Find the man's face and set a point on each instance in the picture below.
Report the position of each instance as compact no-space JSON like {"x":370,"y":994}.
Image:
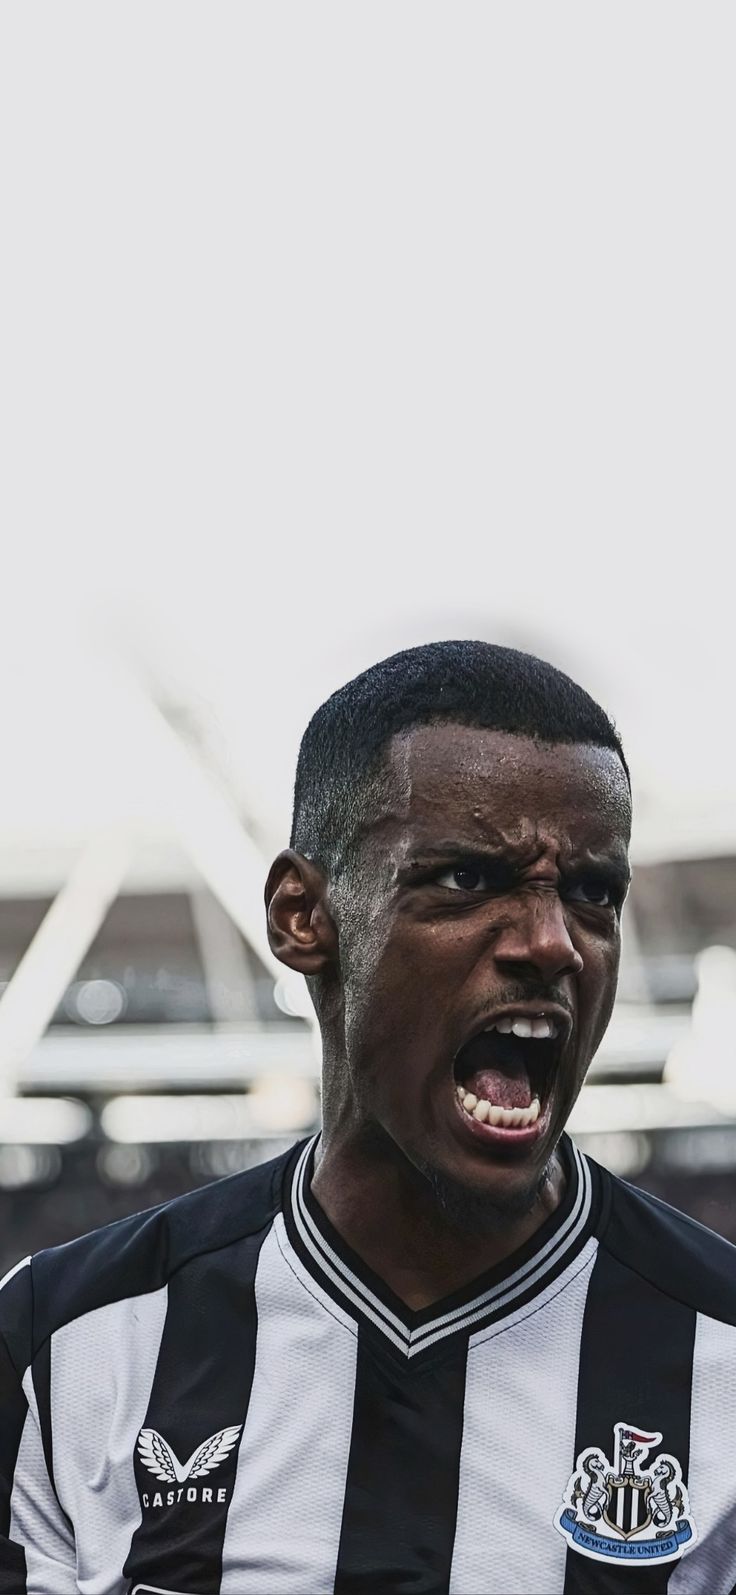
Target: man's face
{"x":489,"y":890}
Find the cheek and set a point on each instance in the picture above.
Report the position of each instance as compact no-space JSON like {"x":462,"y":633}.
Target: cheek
{"x":444,"y":950}
{"x":424,"y":966}
{"x":598,"y":981}
{"x":364,"y":934}
{"x":374,"y":981}
{"x":395,"y":1000}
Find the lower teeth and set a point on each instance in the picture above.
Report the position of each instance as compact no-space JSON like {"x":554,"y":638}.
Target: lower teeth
{"x":503,"y":1118}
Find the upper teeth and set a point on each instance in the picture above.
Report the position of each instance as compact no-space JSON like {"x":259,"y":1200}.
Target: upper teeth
{"x":540,"y":1028}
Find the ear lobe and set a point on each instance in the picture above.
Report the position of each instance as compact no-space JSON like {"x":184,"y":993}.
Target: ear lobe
{"x":301,"y":932}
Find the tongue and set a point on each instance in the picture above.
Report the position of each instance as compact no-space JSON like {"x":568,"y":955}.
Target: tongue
{"x":505,"y":1084}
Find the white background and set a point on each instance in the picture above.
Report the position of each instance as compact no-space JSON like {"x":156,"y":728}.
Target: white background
{"x":332,"y":328}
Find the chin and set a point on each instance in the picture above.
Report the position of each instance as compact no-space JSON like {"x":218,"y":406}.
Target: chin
{"x":488,"y":1207}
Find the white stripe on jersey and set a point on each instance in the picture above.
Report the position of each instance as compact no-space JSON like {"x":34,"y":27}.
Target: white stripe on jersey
{"x":346,"y":1281}
{"x":24,"y":1262}
{"x":283,"y":1526}
{"x":583,"y":1262}
{"x":712,"y":1469}
{"x":518,"y":1438}
{"x":310,"y":1281}
{"x":35,"y":1520}
{"x":118,"y":1347}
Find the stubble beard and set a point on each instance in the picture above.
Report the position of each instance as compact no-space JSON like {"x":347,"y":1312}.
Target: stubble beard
{"x":465,"y":1208}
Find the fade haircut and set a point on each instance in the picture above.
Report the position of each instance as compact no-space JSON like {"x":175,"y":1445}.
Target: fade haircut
{"x":340,"y":776}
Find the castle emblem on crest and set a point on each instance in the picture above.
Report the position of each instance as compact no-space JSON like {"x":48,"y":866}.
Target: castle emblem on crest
{"x":625,"y":1511}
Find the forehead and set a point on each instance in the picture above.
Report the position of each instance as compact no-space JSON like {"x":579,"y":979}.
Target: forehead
{"x":493,"y":784}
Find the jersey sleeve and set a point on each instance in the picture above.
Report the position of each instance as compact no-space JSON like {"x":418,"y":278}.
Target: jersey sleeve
{"x":37,"y":1554}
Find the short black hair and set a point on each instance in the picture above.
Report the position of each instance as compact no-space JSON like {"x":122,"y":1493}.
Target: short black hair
{"x":466,"y":683}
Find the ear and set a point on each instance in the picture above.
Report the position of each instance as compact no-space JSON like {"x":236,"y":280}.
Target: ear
{"x":301,"y":932}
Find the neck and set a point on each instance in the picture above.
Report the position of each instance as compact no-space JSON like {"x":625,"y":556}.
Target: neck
{"x":390,"y":1214}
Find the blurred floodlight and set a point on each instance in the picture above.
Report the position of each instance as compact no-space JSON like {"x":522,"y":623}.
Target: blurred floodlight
{"x":121,"y":1164}
{"x":624,"y":1152}
{"x":282,"y":1104}
{"x":208,"y":1159}
{"x":141,"y":1119}
{"x":28,"y":1165}
{"x":96,"y":1002}
{"x":701,"y":1067}
{"x":291,"y":996}
{"x":138,"y":1119}
{"x":711,"y":1151}
{"x":612,"y":1109}
{"x":43,"y":1121}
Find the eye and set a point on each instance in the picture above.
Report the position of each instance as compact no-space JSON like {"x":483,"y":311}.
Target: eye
{"x":591,"y":890}
{"x":464,"y":878}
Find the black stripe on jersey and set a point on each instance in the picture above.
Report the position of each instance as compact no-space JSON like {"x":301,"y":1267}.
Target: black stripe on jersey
{"x":13,"y":1411}
{"x":636,"y":1366}
{"x":15,"y":1356}
{"x":684,"y":1258}
{"x":41,"y":1375}
{"x":399,"y":1516}
{"x":198,"y":1404}
{"x":499,"y":1291}
{"x":140,"y":1253}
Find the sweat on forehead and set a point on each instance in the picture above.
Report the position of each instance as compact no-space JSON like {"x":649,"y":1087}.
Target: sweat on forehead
{"x":474,"y":773}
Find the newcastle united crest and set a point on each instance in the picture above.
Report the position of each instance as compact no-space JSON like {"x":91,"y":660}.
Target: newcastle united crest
{"x":627,"y":1512}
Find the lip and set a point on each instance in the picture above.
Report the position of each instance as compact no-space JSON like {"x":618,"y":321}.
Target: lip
{"x":504,"y":1139}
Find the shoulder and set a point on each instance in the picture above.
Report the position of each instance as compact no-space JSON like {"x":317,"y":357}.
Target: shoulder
{"x":673,"y":1252}
{"x":136,"y":1255}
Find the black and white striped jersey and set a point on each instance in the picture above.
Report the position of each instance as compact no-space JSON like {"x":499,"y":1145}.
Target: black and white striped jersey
{"x":217,"y":1397}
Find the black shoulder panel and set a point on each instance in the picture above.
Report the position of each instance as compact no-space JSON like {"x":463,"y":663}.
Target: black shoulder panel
{"x":139,"y":1254}
{"x":16,"y":1311}
{"x":679,"y":1256}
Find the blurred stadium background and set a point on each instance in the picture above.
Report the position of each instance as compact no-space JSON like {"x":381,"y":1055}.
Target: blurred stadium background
{"x":325,"y":331}
{"x":149,"y":1043}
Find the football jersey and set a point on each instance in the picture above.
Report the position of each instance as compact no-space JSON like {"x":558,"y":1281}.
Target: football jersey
{"x":218,"y":1397}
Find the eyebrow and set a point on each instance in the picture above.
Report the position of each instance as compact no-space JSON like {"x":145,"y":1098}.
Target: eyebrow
{"x":441,"y":851}
{"x":591,"y":864}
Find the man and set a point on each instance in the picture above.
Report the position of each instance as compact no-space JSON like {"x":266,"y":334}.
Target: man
{"x":435,"y":1349}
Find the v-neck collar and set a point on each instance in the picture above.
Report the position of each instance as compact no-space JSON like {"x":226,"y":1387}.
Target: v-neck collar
{"x":492,"y":1295}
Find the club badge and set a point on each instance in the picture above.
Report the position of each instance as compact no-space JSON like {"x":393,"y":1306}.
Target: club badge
{"x":624,"y":1511}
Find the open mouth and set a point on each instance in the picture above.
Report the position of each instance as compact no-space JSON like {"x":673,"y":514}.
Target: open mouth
{"x":504,"y":1075}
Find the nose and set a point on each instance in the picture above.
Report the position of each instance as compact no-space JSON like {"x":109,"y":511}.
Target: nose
{"x":537,"y":938}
